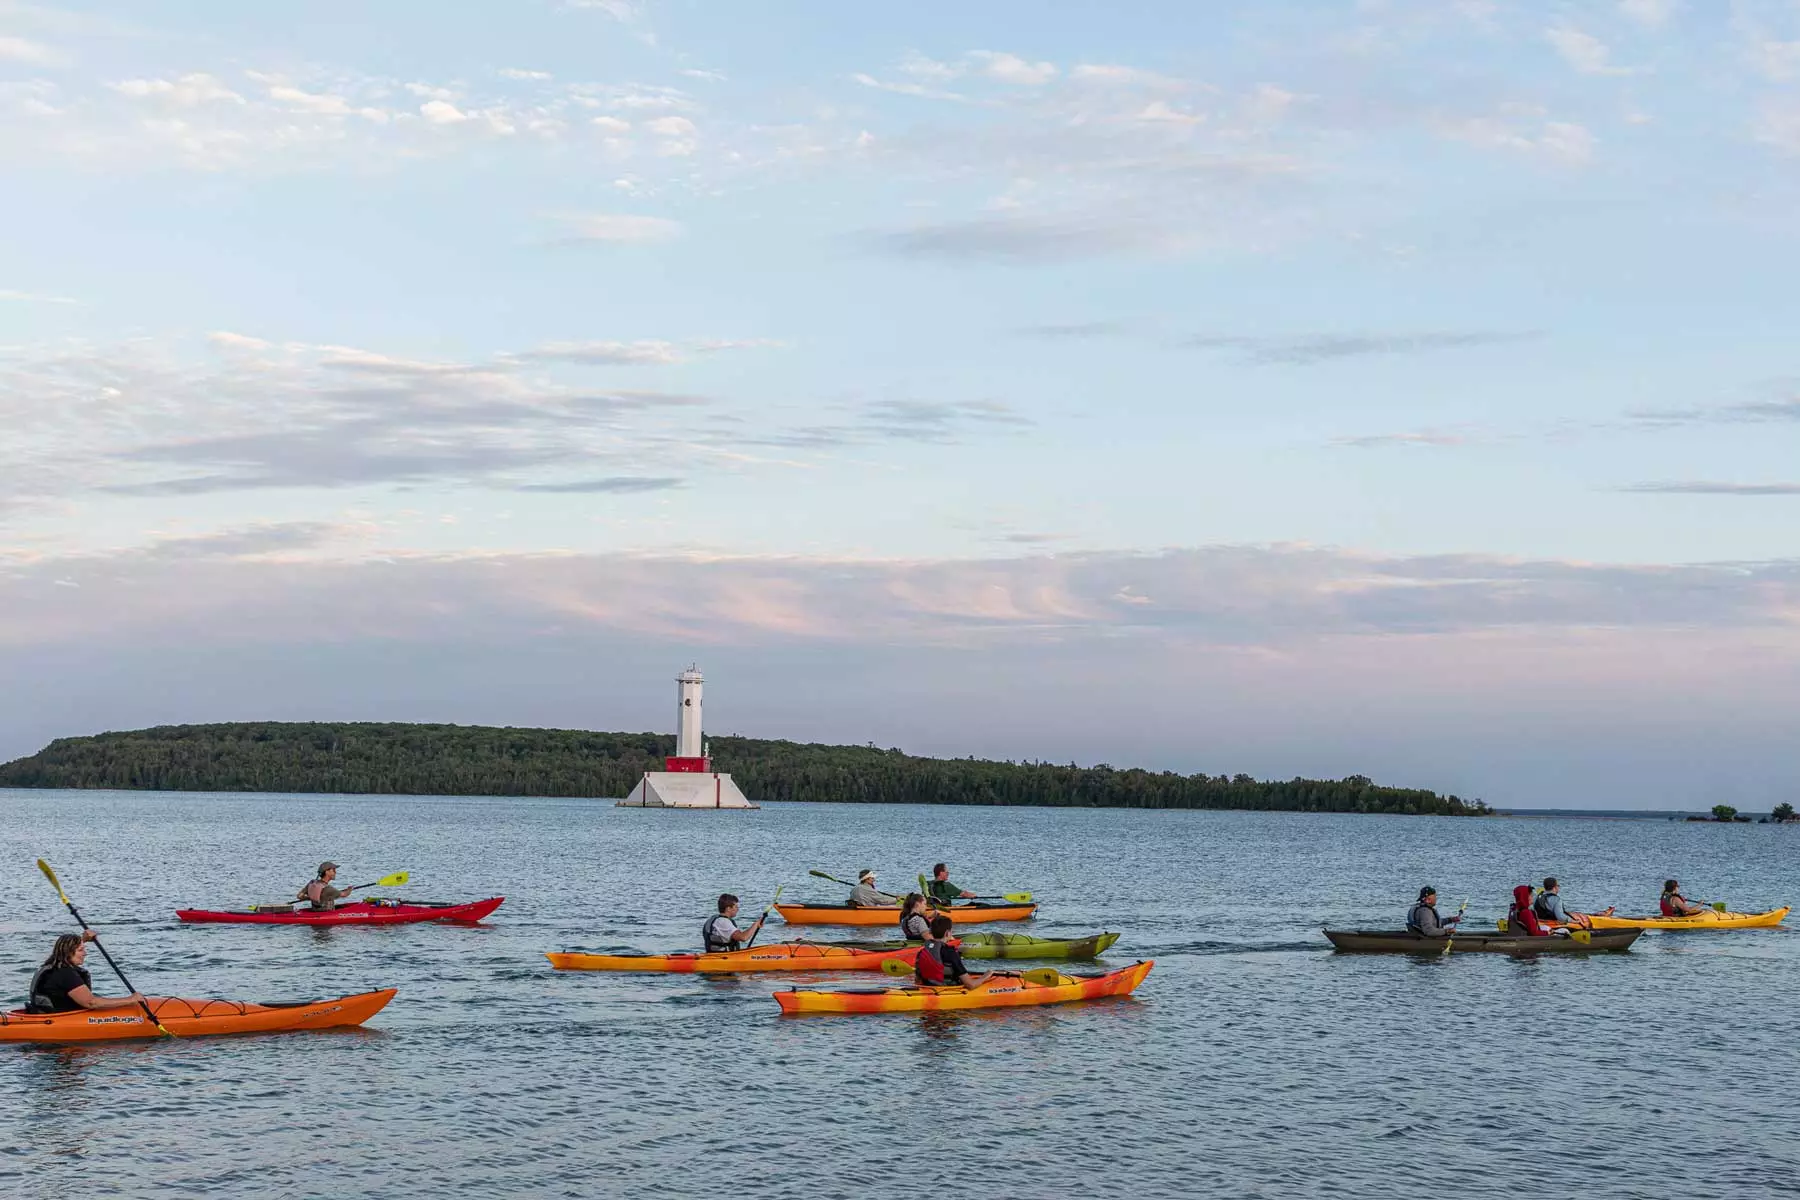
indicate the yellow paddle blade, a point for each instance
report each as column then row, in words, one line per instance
column 1500, row 924
column 1042, row 976
column 1017, row 897
column 397, row 879
column 896, row 966
column 1581, row 935
column 54, row 881
column 1718, row 905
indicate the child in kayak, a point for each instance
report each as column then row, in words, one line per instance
column 319, row 892
column 1549, row 907
column 915, row 926
column 940, row 964
column 1674, row 904
column 943, row 892
column 63, row 985
column 1521, row 918
column 721, row 932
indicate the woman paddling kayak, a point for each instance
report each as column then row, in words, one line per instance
column 62, row 984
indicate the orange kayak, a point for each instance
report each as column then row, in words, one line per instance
column 778, row 956
column 191, row 1018
column 845, row 914
column 997, row 992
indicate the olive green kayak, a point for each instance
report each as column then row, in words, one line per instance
column 1011, row 945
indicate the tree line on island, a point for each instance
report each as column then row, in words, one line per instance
column 469, row 760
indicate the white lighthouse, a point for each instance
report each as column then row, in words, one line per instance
column 687, row 780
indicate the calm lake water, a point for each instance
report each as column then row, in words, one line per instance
column 1253, row 1062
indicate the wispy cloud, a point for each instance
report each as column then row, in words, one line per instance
column 1703, row 487
column 623, row 228
column 1422, row 438
column 1583, row 51
column 616, row 484
column 9, row 295
column 1313, row 348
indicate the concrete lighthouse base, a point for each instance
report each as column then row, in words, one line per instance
column 685, row 789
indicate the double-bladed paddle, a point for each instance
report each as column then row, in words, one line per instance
column 1453, row 926
column 397, row 879
column 764, row 917
column 73, row 912
column 1010, row 897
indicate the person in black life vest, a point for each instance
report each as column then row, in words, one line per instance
column 1424, row 920
column 915, row 926
column 721, row 932
column 62, row 984
column 319, row 891
column 1549, row 907
column 939, row 963
column 943, row 892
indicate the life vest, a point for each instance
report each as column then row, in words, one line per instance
column 1413, row 924
column 1541, row 906
column 37, row 1002
column 1668, row 904
column 908, row 934
column 709, row 936
column 929, row 967
column 1522, row 916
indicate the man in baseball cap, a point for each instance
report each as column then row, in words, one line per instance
column 319, row 891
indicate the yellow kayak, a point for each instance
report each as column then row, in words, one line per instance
column 1710, row 919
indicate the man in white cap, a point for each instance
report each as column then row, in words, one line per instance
column 864, row 895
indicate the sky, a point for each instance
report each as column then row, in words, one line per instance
column 1393, row 387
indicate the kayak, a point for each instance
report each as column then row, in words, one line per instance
column 360, row 912
column 1011, row 945
column 778, row 956
column 1710, row 919
column 1401, row 941
column 1008, row 991
column 889, row 914
column 191, row 1018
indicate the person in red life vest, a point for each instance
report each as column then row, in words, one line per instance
column 1521, row 918
column 1674, row 904
column 939, row 963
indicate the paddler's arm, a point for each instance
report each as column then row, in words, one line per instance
column 84, row 996
column 744, row 935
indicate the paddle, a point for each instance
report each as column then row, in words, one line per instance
column 70, row 905
column 764, row 917
column 833, row 878
column 1454, row 925
column 397, row 879
column 1042, row 976
column 1010, row 897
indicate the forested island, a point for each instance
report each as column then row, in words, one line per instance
column 474, row 760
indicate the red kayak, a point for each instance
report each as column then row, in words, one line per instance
column 360, row 912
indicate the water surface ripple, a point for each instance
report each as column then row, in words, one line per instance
column 1254, row 1062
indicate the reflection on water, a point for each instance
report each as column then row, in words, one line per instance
column 1253, row 1061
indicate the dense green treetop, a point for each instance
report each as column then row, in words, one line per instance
column 473, row 760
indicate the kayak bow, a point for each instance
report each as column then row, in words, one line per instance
column 191, row 1018
column 998, row 991
column 360, row 912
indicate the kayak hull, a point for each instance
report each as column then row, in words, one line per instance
column 889, row 915
column 1008, row 992
column 1014, row 945
column 191, row 1018
column 1710, row 919
column 358, row 913
column 778, row 956
column 1371, row 941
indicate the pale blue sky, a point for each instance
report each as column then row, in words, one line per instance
column 1057, row 345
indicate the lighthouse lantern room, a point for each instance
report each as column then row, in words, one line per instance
column 688, row 779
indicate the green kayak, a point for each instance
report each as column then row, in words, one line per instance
column 1011, row 945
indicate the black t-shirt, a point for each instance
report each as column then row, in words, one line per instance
column 50, row 990
column 954, row 970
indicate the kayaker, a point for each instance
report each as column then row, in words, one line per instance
column 1521, row 918
column 864, row 895
column 1674, row 904
column 942, row 890
column 1424, row 920
column 320, row 893
column 63, row 985
column 721, row 932
column 915, row 926
column 939, row 963
column 1549, row 907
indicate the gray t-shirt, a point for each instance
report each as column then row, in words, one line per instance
column 918, row 928
column 864, row 896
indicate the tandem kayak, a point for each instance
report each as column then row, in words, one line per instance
column 999, row 991
column 889, row 914
column 1011, row 945
column 360, row 912
column 1710, row 919
column 1401, row 941
column 778, row 956
column 191, row 1018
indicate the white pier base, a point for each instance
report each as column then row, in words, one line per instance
column 685, row 789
